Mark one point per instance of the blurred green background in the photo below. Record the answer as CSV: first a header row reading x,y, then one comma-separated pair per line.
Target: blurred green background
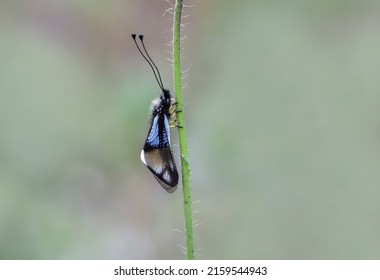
x,y
282,112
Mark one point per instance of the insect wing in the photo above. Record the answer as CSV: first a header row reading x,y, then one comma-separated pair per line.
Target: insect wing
x,y
157,154
160,162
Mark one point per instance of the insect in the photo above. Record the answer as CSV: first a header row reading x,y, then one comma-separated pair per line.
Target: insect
x,y
157,154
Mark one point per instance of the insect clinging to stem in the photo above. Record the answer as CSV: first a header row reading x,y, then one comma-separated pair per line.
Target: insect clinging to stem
x,y
157,153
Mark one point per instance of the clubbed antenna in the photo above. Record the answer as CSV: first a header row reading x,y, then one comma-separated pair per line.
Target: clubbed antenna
x,y
149,60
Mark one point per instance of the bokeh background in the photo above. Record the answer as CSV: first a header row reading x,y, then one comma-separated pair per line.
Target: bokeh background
x,y
282,113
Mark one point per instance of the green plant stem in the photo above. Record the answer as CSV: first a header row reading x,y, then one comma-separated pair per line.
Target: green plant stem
x,y
185,169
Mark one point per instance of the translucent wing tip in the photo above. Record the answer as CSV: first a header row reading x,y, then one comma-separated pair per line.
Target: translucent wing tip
x,y
161,163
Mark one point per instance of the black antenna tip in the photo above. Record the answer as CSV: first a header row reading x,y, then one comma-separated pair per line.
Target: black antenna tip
x,y
141,37
133,36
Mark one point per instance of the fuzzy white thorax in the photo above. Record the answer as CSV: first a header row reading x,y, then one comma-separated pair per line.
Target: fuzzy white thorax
x,y
155,103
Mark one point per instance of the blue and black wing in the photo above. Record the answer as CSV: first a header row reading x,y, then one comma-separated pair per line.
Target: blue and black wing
x,y
157,154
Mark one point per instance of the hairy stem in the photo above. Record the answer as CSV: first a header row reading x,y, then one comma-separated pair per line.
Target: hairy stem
x,y
181,129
